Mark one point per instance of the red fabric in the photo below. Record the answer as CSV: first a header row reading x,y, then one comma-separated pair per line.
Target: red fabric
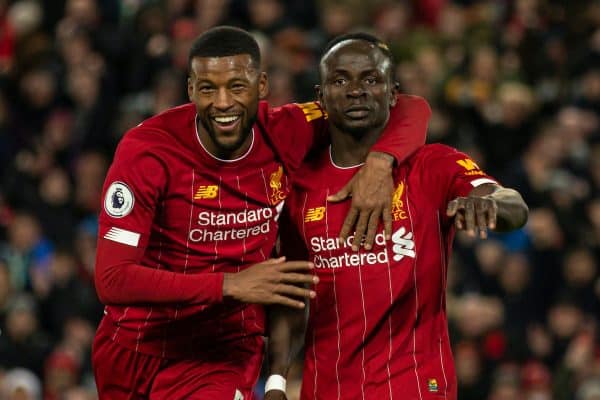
x,y
7,40
198,217
378,325
122,281
406,130
121,373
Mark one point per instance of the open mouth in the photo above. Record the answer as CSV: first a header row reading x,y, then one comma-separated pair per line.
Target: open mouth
x,y
357,112
226,122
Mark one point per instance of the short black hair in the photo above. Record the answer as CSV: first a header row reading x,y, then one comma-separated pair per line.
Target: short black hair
x,y
224,41
367,37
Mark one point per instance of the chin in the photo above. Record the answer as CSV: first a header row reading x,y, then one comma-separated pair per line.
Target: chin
x,y
358,128
229,145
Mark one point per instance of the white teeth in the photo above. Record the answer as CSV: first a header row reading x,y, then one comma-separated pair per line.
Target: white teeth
x,y
226,120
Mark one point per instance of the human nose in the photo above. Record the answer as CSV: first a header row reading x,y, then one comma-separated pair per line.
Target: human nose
x,y
355,89
223,99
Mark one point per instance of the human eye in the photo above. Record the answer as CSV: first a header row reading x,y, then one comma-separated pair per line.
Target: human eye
x,y
238,87
206,89
371,80
340,81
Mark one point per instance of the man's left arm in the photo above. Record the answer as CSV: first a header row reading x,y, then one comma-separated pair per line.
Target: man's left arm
x,y
372,187
488,206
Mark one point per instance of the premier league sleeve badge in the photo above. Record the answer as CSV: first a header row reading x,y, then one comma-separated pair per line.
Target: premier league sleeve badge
x,y
119,200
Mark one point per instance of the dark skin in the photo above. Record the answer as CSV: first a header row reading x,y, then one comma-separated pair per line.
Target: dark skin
x,y
226,92
357,92
224,89
488,207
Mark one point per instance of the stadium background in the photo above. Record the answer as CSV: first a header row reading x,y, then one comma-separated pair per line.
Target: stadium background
x,y
514,83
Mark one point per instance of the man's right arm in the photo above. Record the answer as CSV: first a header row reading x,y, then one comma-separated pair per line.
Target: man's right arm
x,y
121,279
135,184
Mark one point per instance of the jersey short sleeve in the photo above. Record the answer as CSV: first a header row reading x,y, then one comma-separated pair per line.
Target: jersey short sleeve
x,y
293,130
450,173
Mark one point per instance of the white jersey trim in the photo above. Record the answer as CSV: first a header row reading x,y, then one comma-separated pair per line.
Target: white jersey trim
x,y
481,181
123,236
340,167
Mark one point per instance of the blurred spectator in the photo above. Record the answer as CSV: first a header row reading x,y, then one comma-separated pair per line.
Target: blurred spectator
x,y
6,292
20,384
23,343
516,84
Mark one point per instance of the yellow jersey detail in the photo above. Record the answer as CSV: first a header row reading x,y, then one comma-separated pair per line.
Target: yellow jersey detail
x,y
314,214
311,111
206,192
398,211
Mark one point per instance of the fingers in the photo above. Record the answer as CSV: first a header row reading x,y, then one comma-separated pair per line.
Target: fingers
x,y
348,223
481,219
492,215
387,222
459,222
342,194
470,218
452,208
291,277
296,266
292,290
473,214
372,229
286,301
278,260
361,227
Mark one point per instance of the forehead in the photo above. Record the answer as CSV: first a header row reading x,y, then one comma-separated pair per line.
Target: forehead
x,y
355,54
205,67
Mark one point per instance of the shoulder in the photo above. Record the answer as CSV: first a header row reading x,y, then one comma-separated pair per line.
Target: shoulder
x,y
172,119
314,171
300,112
160,130
413,103
433,152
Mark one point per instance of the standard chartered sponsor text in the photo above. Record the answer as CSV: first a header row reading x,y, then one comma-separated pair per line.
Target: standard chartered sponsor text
x,y
256,222
351,260
321,245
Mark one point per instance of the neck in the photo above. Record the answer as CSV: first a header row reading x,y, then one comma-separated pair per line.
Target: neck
x,y
348,150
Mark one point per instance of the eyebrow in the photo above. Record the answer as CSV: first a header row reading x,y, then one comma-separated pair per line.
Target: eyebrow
x,y
345,71
236,79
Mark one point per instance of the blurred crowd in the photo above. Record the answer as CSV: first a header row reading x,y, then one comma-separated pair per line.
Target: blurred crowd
x,y
515,83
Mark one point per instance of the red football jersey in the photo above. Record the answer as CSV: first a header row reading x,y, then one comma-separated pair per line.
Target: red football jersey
x,y
175,218
377,328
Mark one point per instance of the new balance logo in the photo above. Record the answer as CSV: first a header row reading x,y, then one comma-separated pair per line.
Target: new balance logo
x,y
403,244
206,192
314,214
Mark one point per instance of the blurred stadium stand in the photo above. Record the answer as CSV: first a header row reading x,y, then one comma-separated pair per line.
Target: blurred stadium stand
x,y
515,83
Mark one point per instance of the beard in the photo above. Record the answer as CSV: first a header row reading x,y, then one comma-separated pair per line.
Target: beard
x,y
245,130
